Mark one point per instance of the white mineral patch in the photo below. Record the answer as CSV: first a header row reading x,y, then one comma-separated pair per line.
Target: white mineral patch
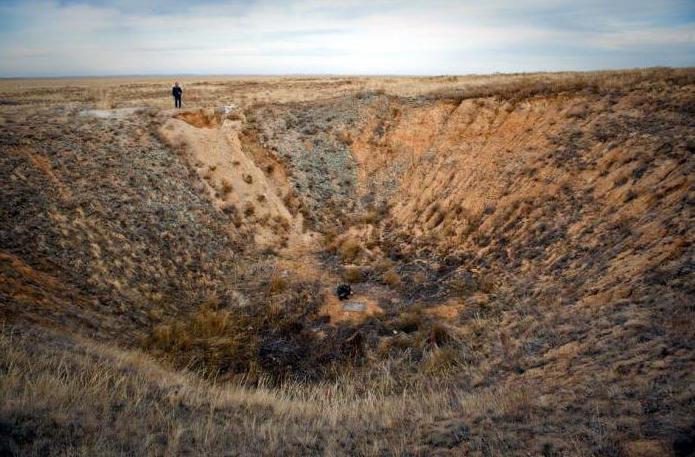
x,y
109,113
354,307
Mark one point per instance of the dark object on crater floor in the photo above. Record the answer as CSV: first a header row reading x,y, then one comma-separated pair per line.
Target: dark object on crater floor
x,y
343,291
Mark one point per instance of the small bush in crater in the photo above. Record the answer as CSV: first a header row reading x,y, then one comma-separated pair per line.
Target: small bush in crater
x,y
349,250
226,187
391,278
278,283
352,274
441,361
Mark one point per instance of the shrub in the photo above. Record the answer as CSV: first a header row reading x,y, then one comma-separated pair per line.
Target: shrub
x,y
420,278
226,187
442,361
278,283
349,250
249,209
233,212
410,321
275,340
391,278
353,274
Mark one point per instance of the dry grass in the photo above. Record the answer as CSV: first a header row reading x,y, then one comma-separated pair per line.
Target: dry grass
x,y
63,397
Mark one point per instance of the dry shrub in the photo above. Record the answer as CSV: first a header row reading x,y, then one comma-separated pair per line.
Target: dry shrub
x,y
233,212
382,266
349,250
352,274
249,209
329,236
226,187
281,222
154,314
278,283
345,137
442,362
440,335
371,217
399,343
274,340
420,278
410,321
207,341
375,214
248,179
463,283
391,277
486,284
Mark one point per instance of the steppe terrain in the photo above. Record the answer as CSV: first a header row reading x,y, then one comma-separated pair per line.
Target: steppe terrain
x,y
520,249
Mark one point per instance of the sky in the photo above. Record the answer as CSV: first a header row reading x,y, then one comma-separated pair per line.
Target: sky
x,y
436,37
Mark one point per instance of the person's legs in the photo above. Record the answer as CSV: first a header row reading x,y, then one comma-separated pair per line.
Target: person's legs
x,y
177,102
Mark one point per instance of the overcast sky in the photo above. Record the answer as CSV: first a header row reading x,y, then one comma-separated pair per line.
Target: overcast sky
x,y
103,37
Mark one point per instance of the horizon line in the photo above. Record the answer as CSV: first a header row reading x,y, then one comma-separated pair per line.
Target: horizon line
x,y
352,75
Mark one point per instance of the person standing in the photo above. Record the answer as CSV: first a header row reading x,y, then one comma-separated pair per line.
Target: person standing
x,y
177,92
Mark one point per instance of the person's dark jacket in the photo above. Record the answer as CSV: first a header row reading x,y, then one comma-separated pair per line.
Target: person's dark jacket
x,y
176,92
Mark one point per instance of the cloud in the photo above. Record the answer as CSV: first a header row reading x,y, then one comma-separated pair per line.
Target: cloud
x,y
50,37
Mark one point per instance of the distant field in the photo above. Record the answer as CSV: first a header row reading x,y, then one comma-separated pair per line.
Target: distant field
x,y
203,91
